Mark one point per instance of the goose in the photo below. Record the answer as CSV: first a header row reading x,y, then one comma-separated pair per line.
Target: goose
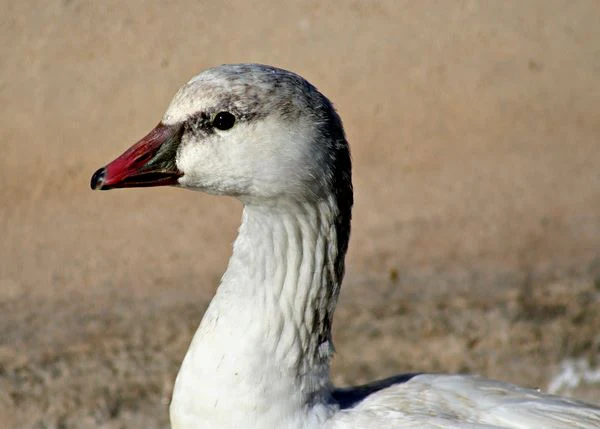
x,y
261,355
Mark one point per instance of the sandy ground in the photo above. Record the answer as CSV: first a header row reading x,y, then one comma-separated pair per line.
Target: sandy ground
x,y
475,132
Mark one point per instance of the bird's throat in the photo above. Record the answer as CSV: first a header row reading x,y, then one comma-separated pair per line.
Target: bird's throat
x,y
266,336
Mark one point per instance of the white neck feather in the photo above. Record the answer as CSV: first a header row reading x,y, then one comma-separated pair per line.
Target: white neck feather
x,y
265,338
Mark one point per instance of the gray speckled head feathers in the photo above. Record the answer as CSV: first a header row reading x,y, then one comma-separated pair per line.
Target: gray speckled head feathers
x,y
250,91
304,144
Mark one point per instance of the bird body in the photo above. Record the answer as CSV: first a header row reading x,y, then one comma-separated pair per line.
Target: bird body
x,y
260,357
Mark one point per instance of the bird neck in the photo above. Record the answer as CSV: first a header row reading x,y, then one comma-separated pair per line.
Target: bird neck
x,y
266,336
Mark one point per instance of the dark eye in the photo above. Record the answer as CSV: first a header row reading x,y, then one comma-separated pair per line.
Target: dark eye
x,y
223,120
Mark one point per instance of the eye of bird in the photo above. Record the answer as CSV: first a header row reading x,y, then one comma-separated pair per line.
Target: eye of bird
x,y
223,120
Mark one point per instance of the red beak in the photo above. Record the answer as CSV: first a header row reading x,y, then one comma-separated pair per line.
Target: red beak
x,y
149,162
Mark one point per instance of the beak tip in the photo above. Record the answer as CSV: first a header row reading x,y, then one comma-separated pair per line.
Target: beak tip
x,y
98,177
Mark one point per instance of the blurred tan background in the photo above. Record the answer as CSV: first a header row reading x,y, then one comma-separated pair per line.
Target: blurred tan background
x,y
475,131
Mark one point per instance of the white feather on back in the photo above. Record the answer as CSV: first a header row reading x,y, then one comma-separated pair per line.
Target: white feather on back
x,y
465,402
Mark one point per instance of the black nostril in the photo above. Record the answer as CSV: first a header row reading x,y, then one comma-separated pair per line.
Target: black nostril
x,y
98,178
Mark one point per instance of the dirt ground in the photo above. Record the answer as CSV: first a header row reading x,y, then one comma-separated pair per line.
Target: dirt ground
x,y
475,132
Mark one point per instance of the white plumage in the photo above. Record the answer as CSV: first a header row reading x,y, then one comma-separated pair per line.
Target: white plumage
x,y
260,358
